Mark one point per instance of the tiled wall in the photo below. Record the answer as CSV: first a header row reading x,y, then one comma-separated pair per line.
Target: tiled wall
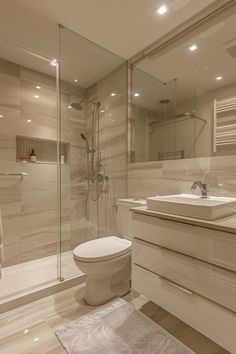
x,y
112,146
177,176
29,204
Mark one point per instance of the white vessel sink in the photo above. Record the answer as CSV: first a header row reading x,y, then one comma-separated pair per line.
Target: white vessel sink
x,y
193,206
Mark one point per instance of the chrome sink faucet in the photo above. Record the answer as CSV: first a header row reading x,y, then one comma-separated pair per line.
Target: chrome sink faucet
x,y
202,187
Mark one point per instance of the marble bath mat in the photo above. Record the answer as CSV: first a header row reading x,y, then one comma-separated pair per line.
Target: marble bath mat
x,y
118,328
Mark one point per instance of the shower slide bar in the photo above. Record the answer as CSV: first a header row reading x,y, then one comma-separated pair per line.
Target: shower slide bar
x,y
21,174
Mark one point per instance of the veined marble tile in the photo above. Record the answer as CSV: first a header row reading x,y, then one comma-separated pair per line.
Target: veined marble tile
x,y
10,69
37,78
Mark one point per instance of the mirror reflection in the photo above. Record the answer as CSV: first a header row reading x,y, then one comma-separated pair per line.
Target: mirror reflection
x,y
184,96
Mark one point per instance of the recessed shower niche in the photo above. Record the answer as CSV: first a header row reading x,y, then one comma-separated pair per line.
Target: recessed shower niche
x,y
45,150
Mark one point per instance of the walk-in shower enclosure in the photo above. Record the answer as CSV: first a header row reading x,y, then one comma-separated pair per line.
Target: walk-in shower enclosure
x,y
55,191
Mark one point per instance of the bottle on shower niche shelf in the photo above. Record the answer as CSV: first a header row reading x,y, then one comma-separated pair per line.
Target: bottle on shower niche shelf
x,y
32,157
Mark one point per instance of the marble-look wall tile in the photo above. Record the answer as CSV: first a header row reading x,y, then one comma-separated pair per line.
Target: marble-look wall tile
x,y
173,177
112,147
29,205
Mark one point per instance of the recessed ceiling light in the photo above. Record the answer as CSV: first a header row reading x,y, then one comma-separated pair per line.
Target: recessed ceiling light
x,y
162,9
29,120
54,62
193,47
69,106
219,78
38,87
113,94
36,96
76,80
1,116
136,94
102,111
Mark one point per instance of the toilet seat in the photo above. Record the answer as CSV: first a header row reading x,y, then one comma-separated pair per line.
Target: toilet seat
x,y
102,249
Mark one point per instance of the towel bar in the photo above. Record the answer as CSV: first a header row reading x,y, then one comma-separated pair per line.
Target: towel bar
x,y
21,174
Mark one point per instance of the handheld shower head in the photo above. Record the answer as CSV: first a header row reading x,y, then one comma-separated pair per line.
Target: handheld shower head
x,y
83,136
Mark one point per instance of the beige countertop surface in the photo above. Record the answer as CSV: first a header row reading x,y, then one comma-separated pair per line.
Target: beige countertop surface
x,y
227,224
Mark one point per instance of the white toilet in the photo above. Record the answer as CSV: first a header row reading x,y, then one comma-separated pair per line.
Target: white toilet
x,y
107,261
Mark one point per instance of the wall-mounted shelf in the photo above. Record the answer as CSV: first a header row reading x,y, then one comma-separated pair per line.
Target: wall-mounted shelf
x,y
224,122
46,150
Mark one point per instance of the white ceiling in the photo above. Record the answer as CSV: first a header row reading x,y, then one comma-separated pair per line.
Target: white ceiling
x,y
123,27
80,60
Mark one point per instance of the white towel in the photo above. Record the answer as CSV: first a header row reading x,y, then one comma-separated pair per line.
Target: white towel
x,y
1,242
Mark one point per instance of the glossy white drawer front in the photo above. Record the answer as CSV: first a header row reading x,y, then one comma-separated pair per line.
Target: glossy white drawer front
x,y
212,282
214,321
209,245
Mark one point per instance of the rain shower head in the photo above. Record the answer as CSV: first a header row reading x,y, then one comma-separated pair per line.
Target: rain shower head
x,y
77,105
164,101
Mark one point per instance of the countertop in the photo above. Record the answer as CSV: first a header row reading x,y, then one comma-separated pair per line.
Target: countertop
x,y
227,224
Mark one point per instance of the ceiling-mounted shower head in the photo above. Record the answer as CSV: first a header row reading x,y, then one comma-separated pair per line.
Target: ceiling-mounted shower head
x,y
77,105
164,101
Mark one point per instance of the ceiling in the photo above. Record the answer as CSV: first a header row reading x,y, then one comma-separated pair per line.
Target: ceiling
x,y
81,60
123,27
193,70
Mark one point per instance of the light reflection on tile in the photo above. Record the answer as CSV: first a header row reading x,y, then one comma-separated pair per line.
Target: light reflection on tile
x,y
43,316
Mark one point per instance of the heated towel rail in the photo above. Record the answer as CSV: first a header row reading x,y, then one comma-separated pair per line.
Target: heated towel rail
x,y
224,122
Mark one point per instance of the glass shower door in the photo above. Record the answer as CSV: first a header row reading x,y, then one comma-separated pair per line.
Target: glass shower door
x,y
29,233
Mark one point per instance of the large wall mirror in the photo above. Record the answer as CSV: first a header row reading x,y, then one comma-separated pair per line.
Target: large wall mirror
x,y
184,95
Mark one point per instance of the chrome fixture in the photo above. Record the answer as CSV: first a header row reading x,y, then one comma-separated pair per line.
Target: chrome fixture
x,y
202,187
97,180
77,105
20,174
95,174
83,136
164,101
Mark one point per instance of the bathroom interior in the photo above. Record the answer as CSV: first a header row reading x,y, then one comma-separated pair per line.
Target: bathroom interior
x,y
117,180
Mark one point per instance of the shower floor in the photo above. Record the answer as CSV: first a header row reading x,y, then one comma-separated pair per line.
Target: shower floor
x,y
34,274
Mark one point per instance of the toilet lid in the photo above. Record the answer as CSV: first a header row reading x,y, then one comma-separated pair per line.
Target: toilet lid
x,y
101,248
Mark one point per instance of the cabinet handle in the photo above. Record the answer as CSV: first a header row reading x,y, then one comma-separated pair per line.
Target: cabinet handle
x,y
171,282
180,287
165,249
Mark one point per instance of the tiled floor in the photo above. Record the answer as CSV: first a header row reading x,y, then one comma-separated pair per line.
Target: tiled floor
x,y
30,328
29,275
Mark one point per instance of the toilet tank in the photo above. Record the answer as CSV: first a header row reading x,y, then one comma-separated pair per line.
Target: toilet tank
x,y
123,215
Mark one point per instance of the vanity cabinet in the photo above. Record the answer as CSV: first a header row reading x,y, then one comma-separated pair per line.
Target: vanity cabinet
x,y
210,245
188,270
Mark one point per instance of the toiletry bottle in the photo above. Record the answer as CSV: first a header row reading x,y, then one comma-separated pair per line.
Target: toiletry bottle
x,y
32,157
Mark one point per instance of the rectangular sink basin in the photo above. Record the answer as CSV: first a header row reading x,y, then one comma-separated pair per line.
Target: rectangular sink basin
x,y
193,206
